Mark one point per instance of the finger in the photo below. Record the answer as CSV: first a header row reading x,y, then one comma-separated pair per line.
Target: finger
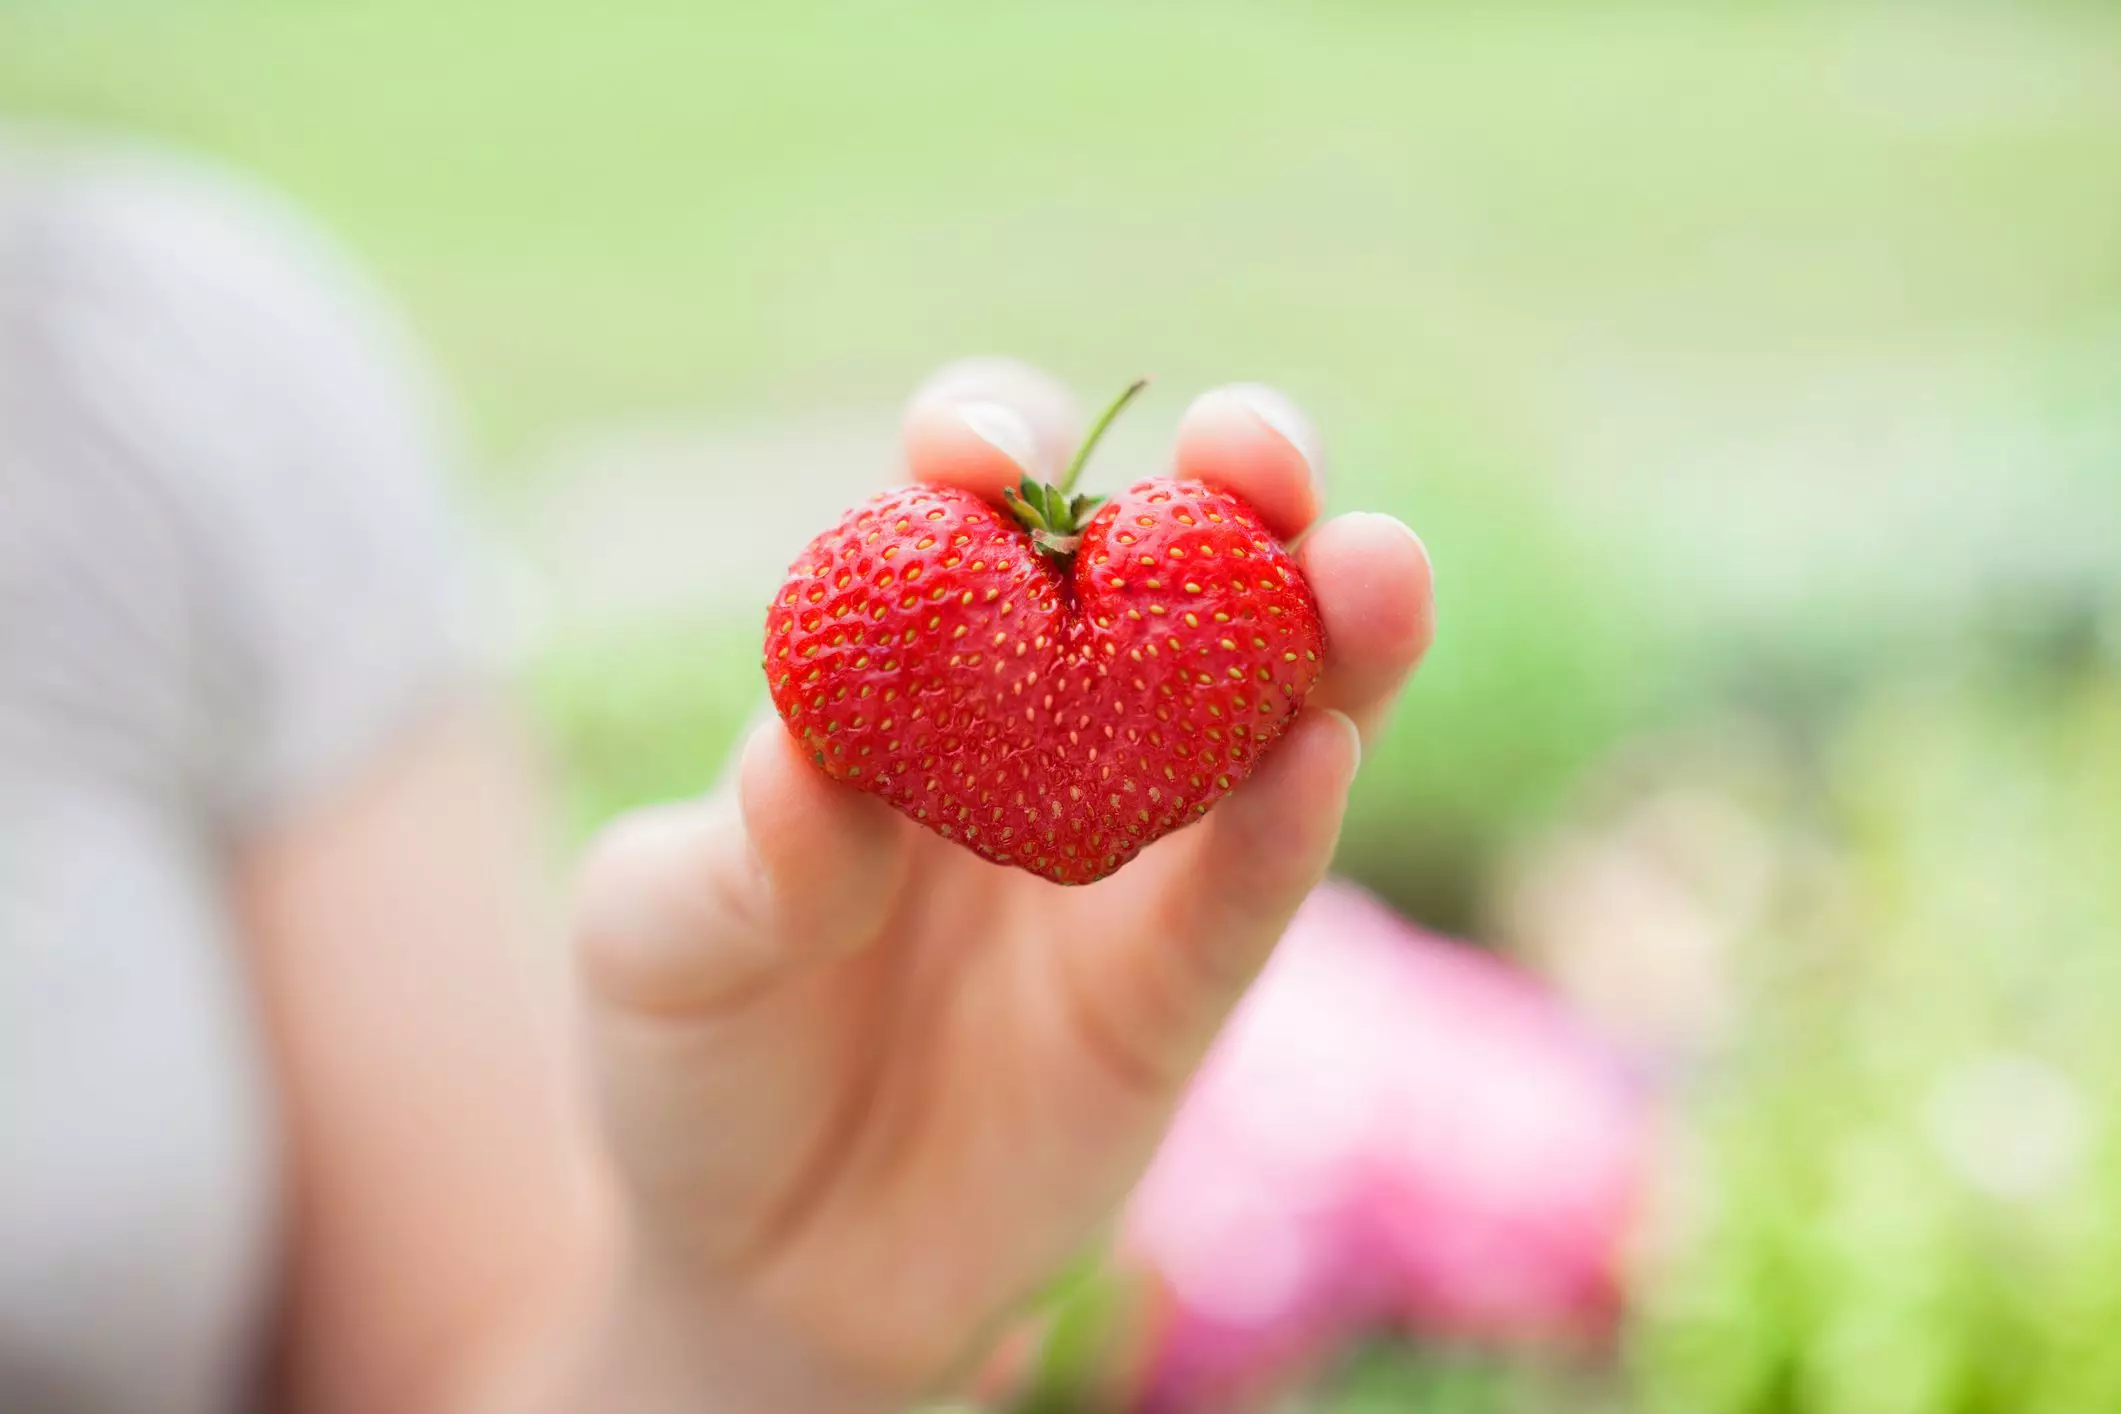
x,y
688,908
981,424
1375,592
1249,439
1268,845
1152,997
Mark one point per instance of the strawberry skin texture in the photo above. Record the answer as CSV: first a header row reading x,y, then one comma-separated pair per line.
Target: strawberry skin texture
x,y
1053,715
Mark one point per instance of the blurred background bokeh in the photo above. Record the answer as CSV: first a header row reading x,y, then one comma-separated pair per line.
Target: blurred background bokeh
x,y
1753,372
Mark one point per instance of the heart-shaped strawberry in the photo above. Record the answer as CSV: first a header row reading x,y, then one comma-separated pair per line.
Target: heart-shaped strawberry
x,y
1050,694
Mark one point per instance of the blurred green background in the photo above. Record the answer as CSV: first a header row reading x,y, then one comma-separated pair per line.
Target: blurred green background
x,y
1753,372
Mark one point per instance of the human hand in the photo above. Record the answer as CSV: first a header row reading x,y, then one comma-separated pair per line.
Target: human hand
x,y
865,1091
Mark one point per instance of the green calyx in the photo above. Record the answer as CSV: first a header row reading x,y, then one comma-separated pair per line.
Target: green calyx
x,y
1054,518
1053,513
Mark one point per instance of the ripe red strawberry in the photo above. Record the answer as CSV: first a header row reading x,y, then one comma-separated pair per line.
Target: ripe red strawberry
x,y
1048,693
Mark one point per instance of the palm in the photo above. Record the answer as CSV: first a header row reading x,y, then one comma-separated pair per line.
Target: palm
x,y
1006,1089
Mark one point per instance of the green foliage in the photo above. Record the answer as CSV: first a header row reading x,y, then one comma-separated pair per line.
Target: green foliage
x,y
1901,1198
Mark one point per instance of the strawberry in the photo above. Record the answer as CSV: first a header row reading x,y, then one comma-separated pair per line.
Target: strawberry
x,y
1054,682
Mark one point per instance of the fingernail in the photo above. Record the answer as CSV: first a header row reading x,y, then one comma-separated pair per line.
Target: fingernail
x,y
1422,546
1402,530
1287,422
1003,428
1386,518
1347,724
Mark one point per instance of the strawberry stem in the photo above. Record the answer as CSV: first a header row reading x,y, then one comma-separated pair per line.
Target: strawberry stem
x,y
1053,515
1097,430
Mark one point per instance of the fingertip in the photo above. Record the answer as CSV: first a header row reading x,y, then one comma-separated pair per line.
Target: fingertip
x,y
1320,756
980,447
1375,590
1252,440
1375,586
1350,749
1286,420
981,424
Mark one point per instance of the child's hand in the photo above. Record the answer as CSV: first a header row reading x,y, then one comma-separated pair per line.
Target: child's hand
x,y
865,1091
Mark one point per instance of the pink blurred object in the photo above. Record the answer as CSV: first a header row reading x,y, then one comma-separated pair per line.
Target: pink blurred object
x,y
1396,1131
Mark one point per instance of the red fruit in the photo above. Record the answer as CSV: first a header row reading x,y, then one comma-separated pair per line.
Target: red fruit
x,y
1057,711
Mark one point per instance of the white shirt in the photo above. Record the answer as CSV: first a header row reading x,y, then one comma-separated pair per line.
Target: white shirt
x,y
224,583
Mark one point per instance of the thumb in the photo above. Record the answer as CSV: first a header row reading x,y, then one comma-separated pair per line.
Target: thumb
x,y
691,907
